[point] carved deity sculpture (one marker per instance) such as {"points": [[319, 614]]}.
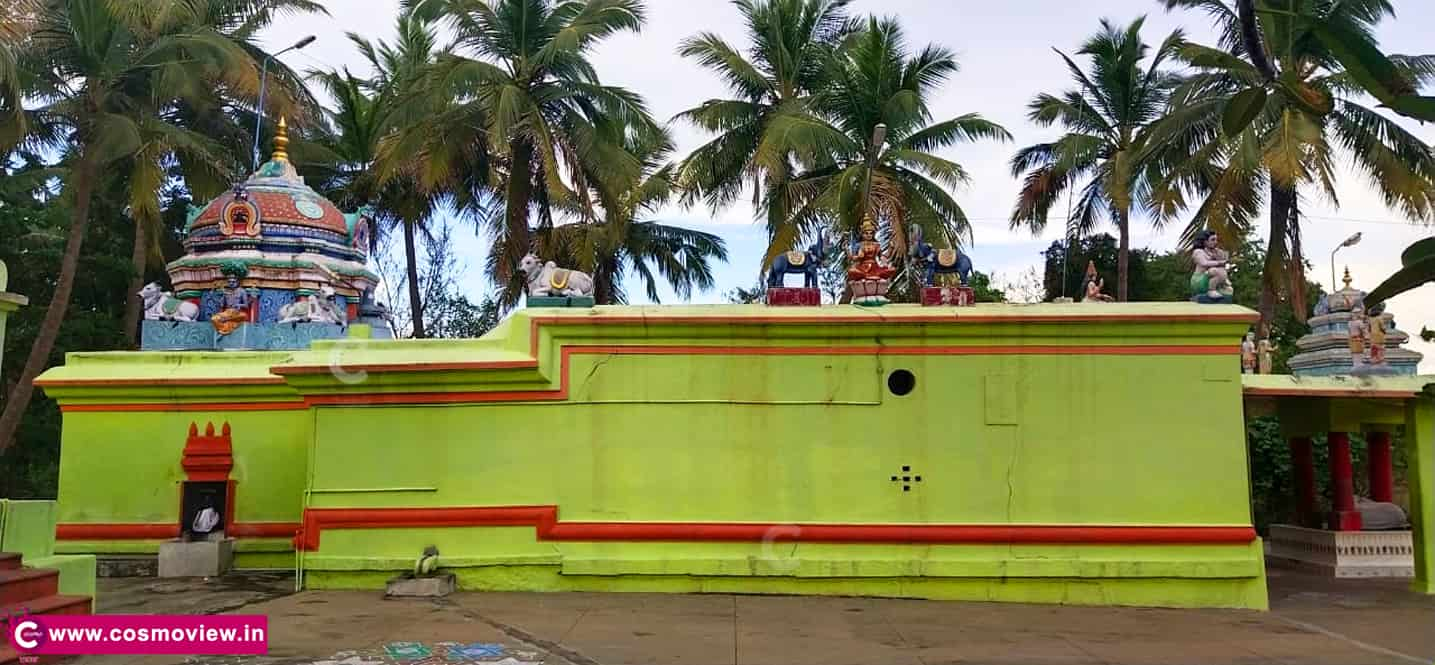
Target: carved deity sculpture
{"points": [[1093, 285], [234, 309], [1265, 351], [1358, 333], [1210, 279], [1248, 354], [870, 272], [1377, 324]]}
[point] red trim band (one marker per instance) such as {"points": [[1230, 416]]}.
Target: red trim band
{"points": [[544, 519]]}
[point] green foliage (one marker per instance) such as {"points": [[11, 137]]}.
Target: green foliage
{"points": [[34, 234]]}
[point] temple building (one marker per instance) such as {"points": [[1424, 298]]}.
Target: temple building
{"points": [[281, 243], [1088, 453]]}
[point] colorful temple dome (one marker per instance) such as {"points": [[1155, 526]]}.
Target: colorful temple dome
{"points": [[1327, 350], [290, 240]]}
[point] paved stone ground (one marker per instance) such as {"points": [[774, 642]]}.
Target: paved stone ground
{"points": [[1313, 622]]}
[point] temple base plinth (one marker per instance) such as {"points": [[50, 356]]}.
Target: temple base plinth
{"points": [[787, 296], [959, 296], [560, 301]]}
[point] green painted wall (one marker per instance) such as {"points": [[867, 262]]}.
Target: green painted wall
{"points": [[999, 437], [28, 528]]}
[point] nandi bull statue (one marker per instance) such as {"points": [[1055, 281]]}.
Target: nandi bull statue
{"points": [[314, 309], [936, 262], [163, 306], [546, 279], [807, 263]]}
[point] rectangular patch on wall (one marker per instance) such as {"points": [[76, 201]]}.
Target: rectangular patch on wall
{"points": [[999, 399], [726, 376]]}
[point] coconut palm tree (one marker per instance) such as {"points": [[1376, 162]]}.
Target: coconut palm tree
{"points": [[1107, 118], [612, 232], [367, 111], [529, 102], [789, 42], [850, 169], [102, 76], [1281, 133]]}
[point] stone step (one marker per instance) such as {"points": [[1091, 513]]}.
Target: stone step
{"points": [[24, 584], [56, 604], [10, 560]]}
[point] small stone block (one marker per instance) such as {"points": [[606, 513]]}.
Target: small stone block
{"points": [[560, 301], [788, 296], [951, 296], [196, 559], [421, 587]]}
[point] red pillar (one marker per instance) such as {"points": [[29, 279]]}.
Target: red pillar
{"points": [[1343, 515], [1303, 463], [1382, 472]]}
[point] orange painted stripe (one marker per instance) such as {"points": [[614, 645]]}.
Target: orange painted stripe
{"points": [[167, 381], [148, 531], [296, 405], [404, 367], [544, 519]]}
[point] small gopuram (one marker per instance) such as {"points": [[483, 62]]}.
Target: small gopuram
{"points": [[1352, 376], [1346, 340], [268, 265]]}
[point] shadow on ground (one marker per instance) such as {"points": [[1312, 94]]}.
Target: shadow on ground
{"points": [[1313, 622]]}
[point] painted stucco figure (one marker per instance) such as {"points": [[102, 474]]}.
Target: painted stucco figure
{"points": [[314, 309], [1093, 285], [806, 263], [235, 302], [1265, 352], [160, 305], [869, 272], [1249, 358], [1210, 280], [1358, 333], [1377, 324], [940, 263], [547, 279]]}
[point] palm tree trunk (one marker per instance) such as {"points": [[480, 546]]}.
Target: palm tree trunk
{"points": [[1123, 254], [416, 304], [1251, 38], [133, 305], [82, 180], [1272, 274], [519, 194]]}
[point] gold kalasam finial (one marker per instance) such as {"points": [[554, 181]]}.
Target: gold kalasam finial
{"points": [[281, 141], [1346, 279]]}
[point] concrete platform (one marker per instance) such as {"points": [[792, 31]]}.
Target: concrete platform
{"points": [[1314, 621]]}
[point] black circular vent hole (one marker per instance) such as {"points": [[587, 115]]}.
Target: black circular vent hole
{"points": [[901, 382]]}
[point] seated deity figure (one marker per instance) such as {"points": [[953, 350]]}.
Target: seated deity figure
{"points": [[234, 309], [1094, 284], [1210, 278], [867, 260]]}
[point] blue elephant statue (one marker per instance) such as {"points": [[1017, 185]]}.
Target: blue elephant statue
{"points": [[807, 263], [939, 261]]}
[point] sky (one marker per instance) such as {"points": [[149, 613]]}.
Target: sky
{"points": [[1006, 56]]}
